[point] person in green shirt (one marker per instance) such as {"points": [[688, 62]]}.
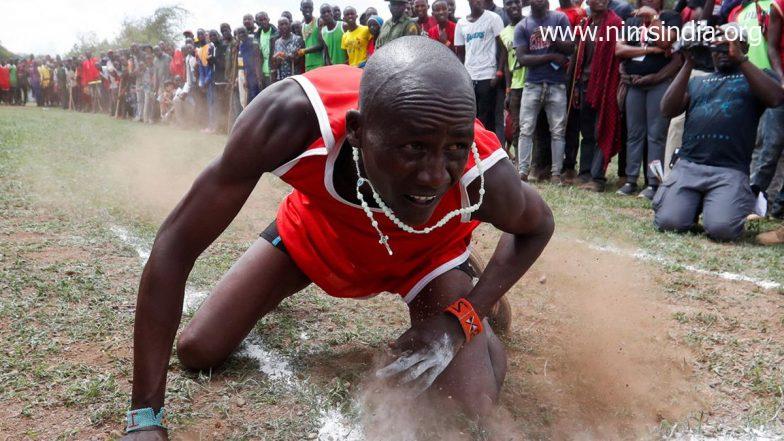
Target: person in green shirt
{"points": [[398, 26], [265, 35], [314, 46], [748, 19], [332, 36], [515, 73], [14, 81]]}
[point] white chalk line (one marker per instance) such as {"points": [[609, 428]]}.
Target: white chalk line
{"points": [[334, 425], [646, 256]]}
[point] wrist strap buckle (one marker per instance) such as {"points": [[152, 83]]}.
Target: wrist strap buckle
{"points": [[467, 316]]}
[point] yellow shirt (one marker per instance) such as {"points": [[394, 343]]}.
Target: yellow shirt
{"points": [[46, 75], [355, 44]]}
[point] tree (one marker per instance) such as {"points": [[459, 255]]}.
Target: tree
{"points": [[5, 53], [163, 25]]}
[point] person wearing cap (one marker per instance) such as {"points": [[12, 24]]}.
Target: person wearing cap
{"points": [[724, 108], [398, 26]]}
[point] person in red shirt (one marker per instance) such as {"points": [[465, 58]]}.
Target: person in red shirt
{"points": [[425, 21], [385, 200], [573, 11], [91, 81], [444, 30], [5, 82]]}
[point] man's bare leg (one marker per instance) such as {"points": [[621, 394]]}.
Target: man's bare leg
{"points": [[254, 286], [475, 375]]}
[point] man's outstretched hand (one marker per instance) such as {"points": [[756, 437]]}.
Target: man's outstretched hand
{"points": [[424, 351], [146, 435]]}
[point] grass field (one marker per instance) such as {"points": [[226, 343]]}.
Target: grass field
{"points": [[619, 331]]}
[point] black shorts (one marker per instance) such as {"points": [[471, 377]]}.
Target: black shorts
{"points": [[272, 236]]}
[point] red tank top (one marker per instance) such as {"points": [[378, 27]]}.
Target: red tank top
{"points": [[332, 241]]}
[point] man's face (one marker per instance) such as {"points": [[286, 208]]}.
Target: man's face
{"points": [[513, 9], [597, 6], [441, 12], [242, 34], [450, 4], [475, 5], [420, 8], [284, 27], [350, 16], [374, 28], [247, 21], [215, 37], [307, 10], [412, 162], [542, 5], [200, 35], [397, 9], [336, 13], [262, 19], [326, 15], [226, 32]]}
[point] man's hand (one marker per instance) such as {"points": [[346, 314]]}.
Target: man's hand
{"points": [[424, 351], [735, 52], [559, 58], [154, 434], [643, 80]]}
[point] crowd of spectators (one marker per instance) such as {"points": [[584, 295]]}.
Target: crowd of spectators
{"points": [[697, 125]]}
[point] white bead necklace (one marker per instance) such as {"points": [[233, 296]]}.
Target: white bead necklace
{"points": [[384, 239]]}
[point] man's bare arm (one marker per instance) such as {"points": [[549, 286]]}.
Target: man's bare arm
{"points": [[273, 129], [775, 29], [527, 222]]}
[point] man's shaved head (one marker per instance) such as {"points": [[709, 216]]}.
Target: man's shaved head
{"points": [[417, 66], [415, 124]]}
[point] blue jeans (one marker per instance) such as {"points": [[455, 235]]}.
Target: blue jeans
{"points": [[771, 135], [553, 98]]}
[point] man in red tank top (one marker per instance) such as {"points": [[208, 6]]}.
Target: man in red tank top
{"points": [[391, 173]]}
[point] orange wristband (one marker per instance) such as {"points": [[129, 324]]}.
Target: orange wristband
{"points": [[468, 318]]}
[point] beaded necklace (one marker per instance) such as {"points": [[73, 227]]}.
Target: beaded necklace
{"points": [[384, 239]]}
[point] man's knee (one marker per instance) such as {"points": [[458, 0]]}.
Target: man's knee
{"points": [[723, 229], [668, 220], [193, 353]]}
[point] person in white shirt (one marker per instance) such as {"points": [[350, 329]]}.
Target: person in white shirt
{"points": [[477, 42]]}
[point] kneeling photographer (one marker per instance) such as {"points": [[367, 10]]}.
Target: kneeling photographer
{"points": [[723, 110]]}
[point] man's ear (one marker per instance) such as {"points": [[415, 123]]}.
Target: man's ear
{"points": [[354, 128]]}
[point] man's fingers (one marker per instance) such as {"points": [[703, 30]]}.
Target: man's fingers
{"points": [[402, 363], [415, 371]]}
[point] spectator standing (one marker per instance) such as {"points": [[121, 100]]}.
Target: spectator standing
{"points": [[596, 78], [375, 23], [332, 37], [452, 8], [248, 67], [161, 64], [424, 20], [514, 76], [398, 25], [311, 34], [573, 12], [355, 39], [477, 44], [5, 82], [489, 5], [287, 47], [647, 72], [766, 53], [148, 86], [62, 84], [35, 81], [265, 36], [13, 80], [444, 30], [712, 175], [545, 56]]}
